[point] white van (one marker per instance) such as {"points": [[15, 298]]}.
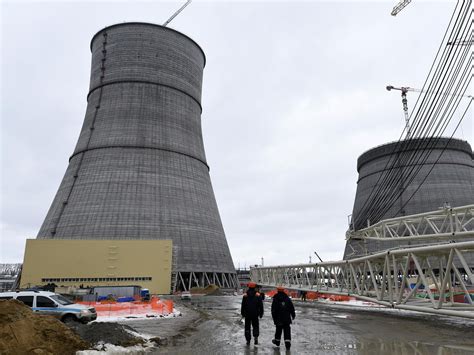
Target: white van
{"points": [[53, 304]]}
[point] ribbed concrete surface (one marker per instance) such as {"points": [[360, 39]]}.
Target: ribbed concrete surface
{"points": [[139, 169], [451, 179]]}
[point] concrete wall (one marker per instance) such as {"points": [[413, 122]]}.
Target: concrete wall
{"points": [[146, 263]]}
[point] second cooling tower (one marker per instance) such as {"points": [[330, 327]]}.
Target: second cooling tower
{"points": [[430, 172], [139, 170]]}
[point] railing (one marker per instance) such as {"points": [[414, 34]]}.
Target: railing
{"points": [[435, 279]]}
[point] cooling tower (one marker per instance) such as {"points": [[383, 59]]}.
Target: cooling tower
{"points": [[139, 169], [450, 181]]}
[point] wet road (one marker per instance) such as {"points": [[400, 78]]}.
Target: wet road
{"points": [[210, 325]]}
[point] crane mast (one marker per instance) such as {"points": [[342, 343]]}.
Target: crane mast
{"points": [[177, 13], [404, 91], [400, 6]]}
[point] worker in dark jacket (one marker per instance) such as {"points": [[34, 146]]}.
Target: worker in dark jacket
{"points": [[283, 312], [251, 310]]}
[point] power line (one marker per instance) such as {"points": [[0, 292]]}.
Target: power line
{"points": [[374, 191], [431, 117]]}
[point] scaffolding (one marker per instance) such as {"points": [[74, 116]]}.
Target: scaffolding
{"points": [[436, 279]]}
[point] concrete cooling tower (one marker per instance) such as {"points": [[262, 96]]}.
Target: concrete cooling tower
{"points": [[450, 181], [139, 169]]}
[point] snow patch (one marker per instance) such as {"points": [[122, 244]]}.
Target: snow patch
{"points": [[131, 317], [115, 349], [356, 303]]}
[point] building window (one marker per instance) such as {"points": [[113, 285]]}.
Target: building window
{"points": [[98, 279]]}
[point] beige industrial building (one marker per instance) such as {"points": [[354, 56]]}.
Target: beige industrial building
{"points": [[68, 262]]}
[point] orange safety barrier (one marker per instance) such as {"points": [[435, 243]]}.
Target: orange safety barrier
{"points": [[111, 308], [313, 295], [273, 293]]}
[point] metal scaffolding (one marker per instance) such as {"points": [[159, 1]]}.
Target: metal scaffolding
{"points": [[424, 279], [446, 223], [187, 280]]}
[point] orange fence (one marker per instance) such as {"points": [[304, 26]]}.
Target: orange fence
{"points": [[311, 295], [293, 294], [111, 309]]}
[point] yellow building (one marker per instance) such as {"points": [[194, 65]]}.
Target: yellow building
{"points": [[68, 262]]}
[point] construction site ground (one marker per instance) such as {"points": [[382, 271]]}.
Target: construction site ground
{"points": [[212, 325]]}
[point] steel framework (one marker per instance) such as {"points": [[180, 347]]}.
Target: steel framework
{"points": [[446, 223], [184, 281], [424, 279]]}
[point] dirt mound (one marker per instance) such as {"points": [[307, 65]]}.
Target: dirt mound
{"points": [[24, 332], [110, 333]]}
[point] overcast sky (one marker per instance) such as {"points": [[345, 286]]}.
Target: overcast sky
{"points": [[293, 93]]}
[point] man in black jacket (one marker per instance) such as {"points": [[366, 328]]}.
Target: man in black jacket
{"points": [[283, 312], [251, 310]]}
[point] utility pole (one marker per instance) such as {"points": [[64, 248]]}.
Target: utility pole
{"points": [[262, 260]]}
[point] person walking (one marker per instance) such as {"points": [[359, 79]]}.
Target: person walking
{"points": [[283, 312], [251, 310], [303, 296]]}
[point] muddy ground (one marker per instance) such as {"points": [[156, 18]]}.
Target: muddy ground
{"points": [[110, 333], [210, 325]]}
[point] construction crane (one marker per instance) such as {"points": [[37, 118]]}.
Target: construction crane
{"points": [[399, 7], [404, 90], [318, 257], [177, 13]]}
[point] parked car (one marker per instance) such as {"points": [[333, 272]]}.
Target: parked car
{"points": [[53, 304], [185, 295]]}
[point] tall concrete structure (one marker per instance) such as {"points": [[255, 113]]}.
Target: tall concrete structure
{"points": [[450, 181], [139, 169]]}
